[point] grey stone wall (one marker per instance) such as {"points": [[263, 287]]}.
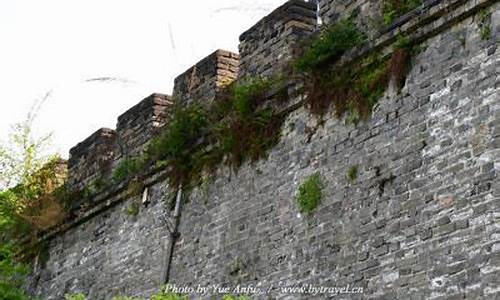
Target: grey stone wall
{"points": [[112, 253], [92, 158], [420, 221], [368, 12], [267, 47]]}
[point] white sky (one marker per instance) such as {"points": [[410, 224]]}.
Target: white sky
{"points": [[57, 45]]}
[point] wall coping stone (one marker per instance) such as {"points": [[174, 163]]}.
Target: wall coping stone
{"points": [[101, 136], [290, 11]]}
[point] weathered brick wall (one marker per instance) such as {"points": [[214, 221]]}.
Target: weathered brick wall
{"points": [[419, 222], [266, 48], [203, 81], [140, 124], [112, 253], [367, 11], [91, 158]]}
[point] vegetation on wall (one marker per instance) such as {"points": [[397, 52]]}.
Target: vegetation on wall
{"points": [[310, 193], [127, 168], [133, 209], [328, 45], [232, 130], [393, 9], [177, 143], [76, 296], [484, 24], [248, 131], [352, 89], [352, 173], [25, 211]]}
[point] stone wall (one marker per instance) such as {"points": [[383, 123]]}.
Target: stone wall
{"points": [[367, 12], [203, 81], [420, 220], [91, 158], [266, 48], [140, 124], [112, 253]]}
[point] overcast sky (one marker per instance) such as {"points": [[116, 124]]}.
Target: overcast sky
{"points": [[66, 46]]}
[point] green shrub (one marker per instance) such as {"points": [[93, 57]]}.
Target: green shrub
{"points": [[250, 137], [248, 131], [12, 275], [98, 185], [233, 127], [78, 296], [248, 94], [178, 141], [355, 88], [484, 24], [163, 295], [352, 89], [183, 131], [485, 33], [393, 9], [32, 206], [127, 168], [133, 209], [329, 45], [310, 193], [352, 173]]}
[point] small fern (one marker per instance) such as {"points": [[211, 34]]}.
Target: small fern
{"points": [[310, 193]]}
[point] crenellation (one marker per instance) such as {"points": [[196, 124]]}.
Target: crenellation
{"points": [[92, 158], [267, 47], [137, 126], [202, 82]]}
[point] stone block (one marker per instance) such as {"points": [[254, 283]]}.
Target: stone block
{"points": [[137, 126], [92, 158], [202, 82], [267, 47]]}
